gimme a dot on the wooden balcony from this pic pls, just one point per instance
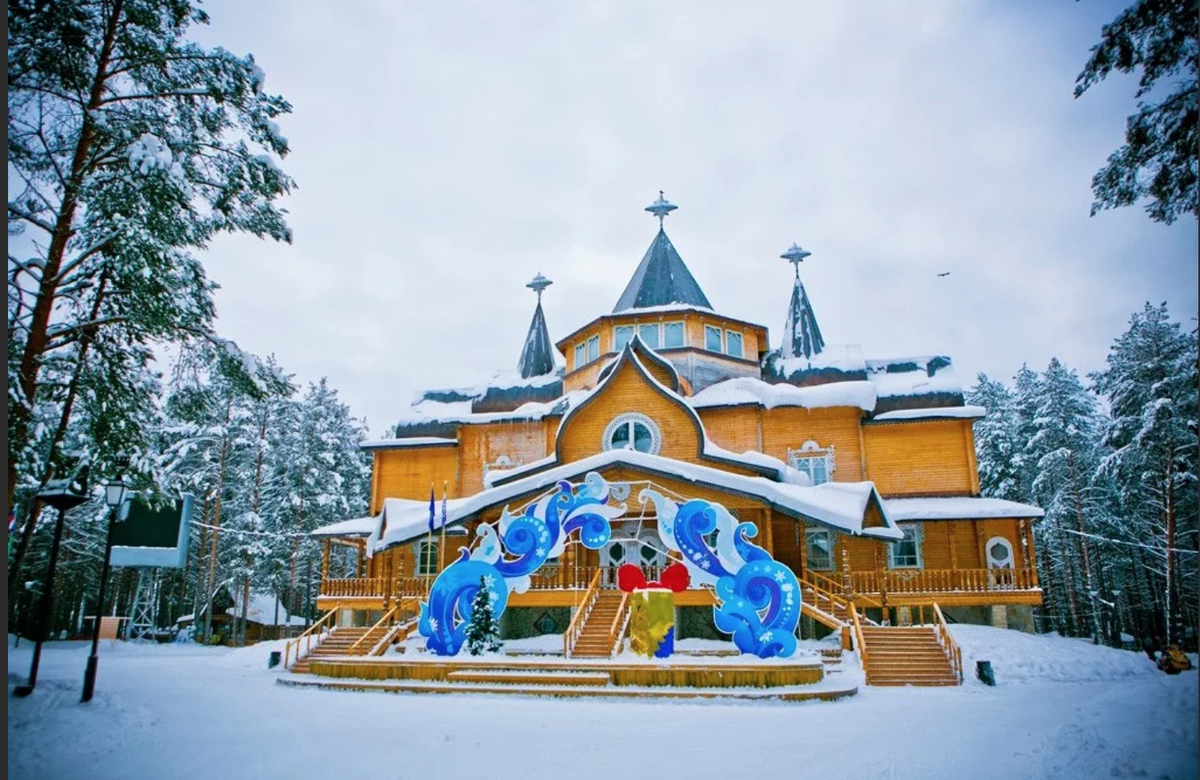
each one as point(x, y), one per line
point(900, 587)
point(561, 585)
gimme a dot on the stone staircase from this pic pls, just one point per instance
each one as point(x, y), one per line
point(336, 643)
point(905, 656)
point(594, 640)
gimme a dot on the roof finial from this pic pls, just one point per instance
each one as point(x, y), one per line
point(795, 255)
point(661, 208)
point(538, 285)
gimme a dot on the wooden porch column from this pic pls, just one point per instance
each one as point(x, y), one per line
point(847, 588)
point(803, 548)
point(1030, 552)
point(325, 559)
point(881, 574)
point(770, 536)
point(362, 548)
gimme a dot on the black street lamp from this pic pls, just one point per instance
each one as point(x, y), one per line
point(114, 496)
point(61, 494)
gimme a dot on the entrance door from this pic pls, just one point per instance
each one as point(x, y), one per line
point(646, 552)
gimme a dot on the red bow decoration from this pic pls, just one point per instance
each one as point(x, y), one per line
point(674, 577)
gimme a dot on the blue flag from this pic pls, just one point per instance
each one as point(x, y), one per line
point(443, 506)
point(432, 508)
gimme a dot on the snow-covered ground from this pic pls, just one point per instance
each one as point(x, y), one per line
point(1062, 709)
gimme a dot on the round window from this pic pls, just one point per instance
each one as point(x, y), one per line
point(632, 432)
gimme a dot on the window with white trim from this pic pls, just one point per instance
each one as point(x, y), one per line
point(580, 355)
point(427, 558)
point(672, 334)
point(593, 345)
point(999, 553)
point(733, 344)
point(818, 552)
point(813, 460)
point(906, 553)
point(649, 335)
point(632, 432)
point(622, 335)
point(712, 338)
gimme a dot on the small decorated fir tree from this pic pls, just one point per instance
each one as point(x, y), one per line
point(483, 634)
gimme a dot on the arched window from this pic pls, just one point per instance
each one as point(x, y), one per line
point(999, 553)
point(814, 461)
point(632, 432)
point(427, 558)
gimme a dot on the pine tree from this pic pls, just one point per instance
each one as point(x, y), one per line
point(997, 441)
point(483, 634)
point(129, 147)
point(1152, 388)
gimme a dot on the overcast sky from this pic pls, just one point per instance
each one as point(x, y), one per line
point(446, 152)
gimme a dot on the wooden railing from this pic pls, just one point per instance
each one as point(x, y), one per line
point(316, 629)
point(361, 646)
point(585, 607)
point(859, 644)
point(949, 646)
point(356, 586)
point(616, 634)
point(561, 577)
point(407, 587)
point(942, 580)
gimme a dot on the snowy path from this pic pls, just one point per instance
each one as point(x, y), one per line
point(177, 711)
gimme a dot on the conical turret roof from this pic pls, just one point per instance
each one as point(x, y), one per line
point(661, 279)
point(801, 336)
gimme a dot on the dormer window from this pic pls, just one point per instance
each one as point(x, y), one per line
point(632, 432)
point(649, 335)
point(580, 355)
point(813, 460)
point(593, 346)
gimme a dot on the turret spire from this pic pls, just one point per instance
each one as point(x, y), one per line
point(801, 336)
point(661, 208)
point(661, 278)
point(537, 356)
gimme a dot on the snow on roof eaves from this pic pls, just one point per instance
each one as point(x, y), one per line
point(944, 412)
point(529, 412)
point(748, 390)
point(359, 526)
point(958, 508)
point(839, 505)
point(415, 441)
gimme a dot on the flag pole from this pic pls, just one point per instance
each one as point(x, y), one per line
point(442, 543)
point(428, 541)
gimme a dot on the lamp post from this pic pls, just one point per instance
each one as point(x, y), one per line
point(61, 494)
point(114, 496)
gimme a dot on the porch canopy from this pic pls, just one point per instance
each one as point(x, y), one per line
point(959, 508)
point(853, 508)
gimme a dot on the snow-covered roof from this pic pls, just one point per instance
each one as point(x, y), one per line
point(262, 610)
point(461, 414)
point(913, 376)
point(933, 413)
point(748, 390)
point(958, 508)
point(359, 526)
point(412, 441)
point(841, 505)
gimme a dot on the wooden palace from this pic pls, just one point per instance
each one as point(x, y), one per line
point(857, 474)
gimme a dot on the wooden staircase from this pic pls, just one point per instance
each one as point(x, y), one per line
point(905, 656)
point(596, 640)
point(336, 643)
point(822, 602)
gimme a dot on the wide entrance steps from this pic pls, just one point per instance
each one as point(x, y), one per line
point(595, 639)
point(336, 643)
point(905, 656)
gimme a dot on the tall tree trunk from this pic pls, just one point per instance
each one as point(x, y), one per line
point(39, 325)
point(216, 523)
point(1173, 627)
point(35, 508)
point(1088, 580)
